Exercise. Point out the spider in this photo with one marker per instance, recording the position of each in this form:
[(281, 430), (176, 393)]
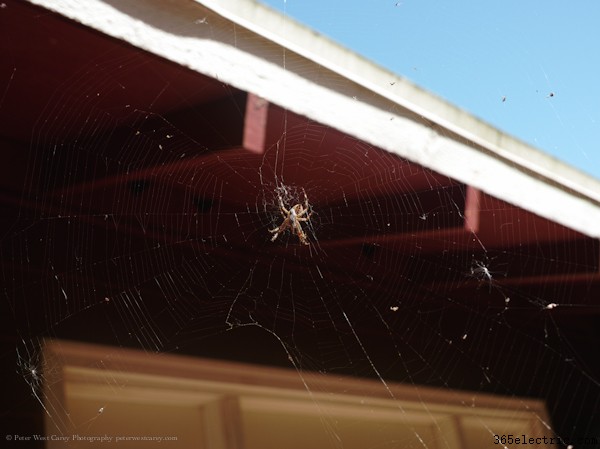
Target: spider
[(292, 220)]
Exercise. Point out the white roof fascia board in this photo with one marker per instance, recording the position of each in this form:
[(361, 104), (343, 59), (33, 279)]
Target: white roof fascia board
[(239, 42)]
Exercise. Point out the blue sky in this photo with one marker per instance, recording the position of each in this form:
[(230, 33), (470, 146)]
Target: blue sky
[(473, 53)]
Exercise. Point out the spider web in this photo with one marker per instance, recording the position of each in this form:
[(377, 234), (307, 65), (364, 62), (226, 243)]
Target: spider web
[(140, 220)]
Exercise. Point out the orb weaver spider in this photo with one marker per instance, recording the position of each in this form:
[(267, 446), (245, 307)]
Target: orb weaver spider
[(292, 220)]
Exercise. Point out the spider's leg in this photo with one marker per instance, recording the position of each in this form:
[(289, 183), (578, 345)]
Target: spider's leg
[(302, 217), (282, 208), (285, 224), (300, 233), (302, 237), (280, 229), (305, 199)]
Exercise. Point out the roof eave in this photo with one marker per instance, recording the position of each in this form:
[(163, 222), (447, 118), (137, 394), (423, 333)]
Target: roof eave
[(354, 96)]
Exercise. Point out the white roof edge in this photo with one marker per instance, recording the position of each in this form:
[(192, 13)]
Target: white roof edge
[(498, 164), (300, 39)]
